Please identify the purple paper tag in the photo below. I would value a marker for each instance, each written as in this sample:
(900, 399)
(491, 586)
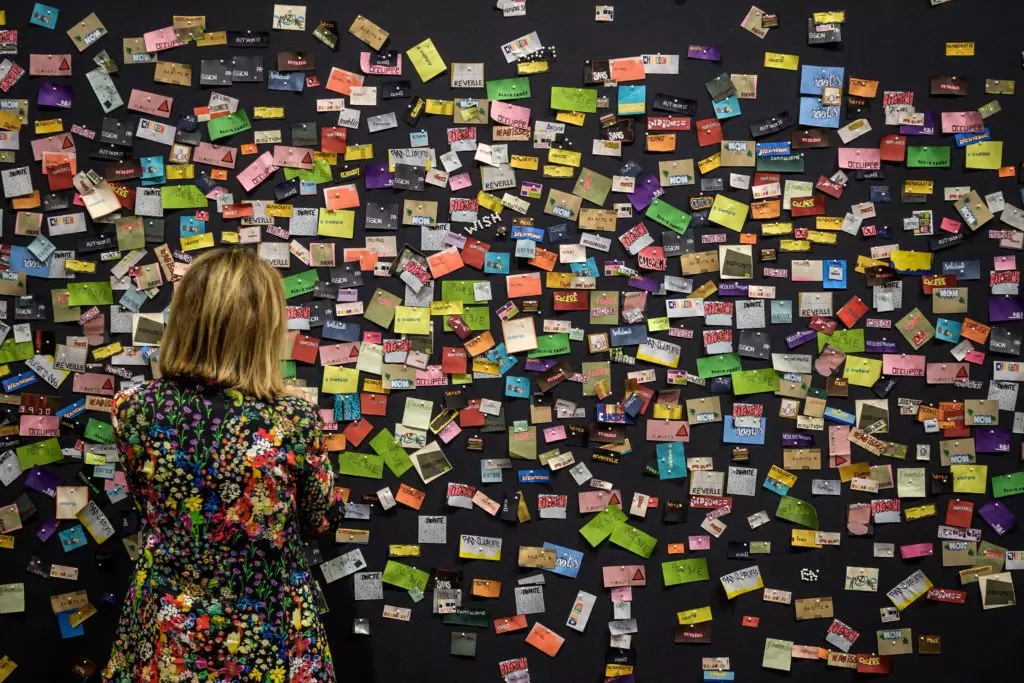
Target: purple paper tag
(794, 439)
(880, 346)
(991, 440)
(378, 177)
(799, 338)
(733, 289)
(1004, 308)
(54, 95)
(647, 284)
(644, 192)
(927, 129)
(47, 529)
(708, 53)
(997, 516)
(539, 364)
(41, 481)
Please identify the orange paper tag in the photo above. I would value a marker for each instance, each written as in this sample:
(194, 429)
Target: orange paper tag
(410, 497)
(489, 588)
(544, 639)
(510, 624)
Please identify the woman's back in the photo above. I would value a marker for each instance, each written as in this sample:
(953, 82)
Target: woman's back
(227, 483)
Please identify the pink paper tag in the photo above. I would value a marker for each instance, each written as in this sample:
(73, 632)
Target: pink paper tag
(510, 114)
(459, 181)
(916, 550)
(949, 225)
(258, 171)
(699, 543)
(860, 158)
(162, 39)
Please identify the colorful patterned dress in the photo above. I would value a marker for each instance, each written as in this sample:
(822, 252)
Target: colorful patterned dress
(227, 482)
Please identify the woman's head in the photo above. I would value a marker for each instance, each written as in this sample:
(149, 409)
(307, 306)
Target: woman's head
(227, 323)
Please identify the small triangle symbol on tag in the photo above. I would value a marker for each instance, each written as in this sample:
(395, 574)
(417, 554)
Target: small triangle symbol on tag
(227, 158)
(307, 159)
(164, 106)
(68, 142)
(64, 66)
(639, 575)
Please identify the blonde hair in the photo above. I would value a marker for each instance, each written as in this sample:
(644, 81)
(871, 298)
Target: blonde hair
(227, 324)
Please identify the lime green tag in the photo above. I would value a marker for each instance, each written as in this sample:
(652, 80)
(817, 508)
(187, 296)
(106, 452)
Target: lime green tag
(677, 572)
(672, 218)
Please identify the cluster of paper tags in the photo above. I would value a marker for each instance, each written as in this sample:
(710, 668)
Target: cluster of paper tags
(612, 315)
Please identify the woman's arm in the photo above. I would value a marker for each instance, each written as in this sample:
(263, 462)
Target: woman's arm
(316, 483)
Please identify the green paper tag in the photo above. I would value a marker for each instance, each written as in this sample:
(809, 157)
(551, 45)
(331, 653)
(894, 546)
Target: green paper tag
(90, 294)
(99, 431)
(602, 525)
(182, 197)
(224, 126)
(583, 100)
(395, 457)
(931, 156)
(39, 453)
(677, 572)
(634, 540)
(508, 89)
(299, 284)
(755, 381)
(361, 465)
(404, 576)
(717, 366)
(797, 511)
(672, 218)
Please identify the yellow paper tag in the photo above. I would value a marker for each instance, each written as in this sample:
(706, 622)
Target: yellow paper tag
(46, 127)
(919, 186)
(359, 152)
(330, 157)
(794, 245)
(212, 39)
(960, 49)
(524, 162)
(776, 229)
(552, 171)
(573, 118)
(180, 171)
(10, 120)
(711, 163)
(490, 202)
(279, 210)
(268, 112)
(779, 60)
(76, 266)
(440, 107)
(404, 550)
(830, 223)
(565, 157)
(697, 615)
(803, 538)
(833, 17)
(195, 242)
(539, 67)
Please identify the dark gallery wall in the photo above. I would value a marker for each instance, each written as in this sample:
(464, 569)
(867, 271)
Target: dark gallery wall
(902, 45)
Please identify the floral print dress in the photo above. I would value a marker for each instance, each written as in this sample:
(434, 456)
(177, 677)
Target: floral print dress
(221, 591)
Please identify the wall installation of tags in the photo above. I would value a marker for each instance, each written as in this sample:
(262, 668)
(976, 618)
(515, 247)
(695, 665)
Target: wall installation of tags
(659, 334)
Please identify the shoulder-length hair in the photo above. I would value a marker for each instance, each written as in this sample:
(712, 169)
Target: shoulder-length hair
(228, 323)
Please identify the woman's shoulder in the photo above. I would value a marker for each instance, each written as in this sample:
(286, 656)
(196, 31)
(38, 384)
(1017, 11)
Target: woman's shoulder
(296, 406)
(138, 392)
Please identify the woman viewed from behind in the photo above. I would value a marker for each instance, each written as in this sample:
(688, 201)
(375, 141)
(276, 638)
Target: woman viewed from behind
(228, 470)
